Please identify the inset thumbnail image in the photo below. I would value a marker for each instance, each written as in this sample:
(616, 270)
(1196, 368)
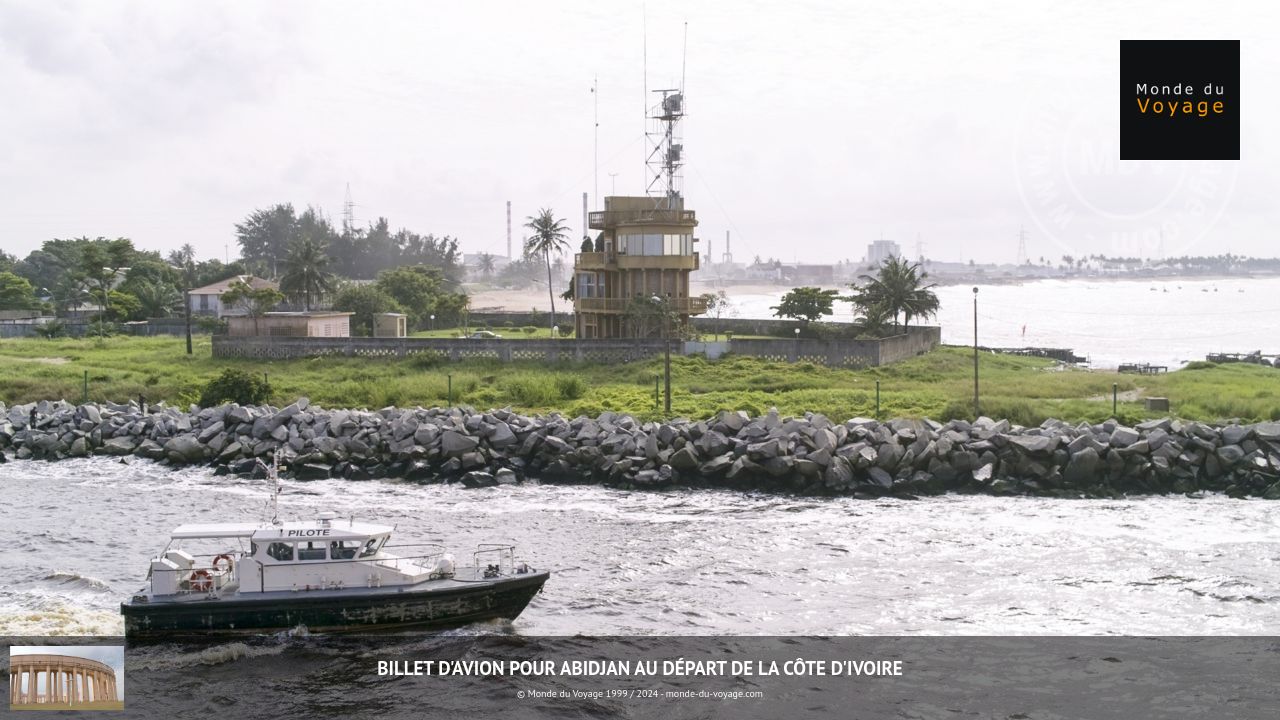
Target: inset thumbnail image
(66, 677)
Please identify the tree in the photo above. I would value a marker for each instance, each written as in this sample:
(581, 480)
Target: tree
(208, 272)
(365, 301)
(264, 236)
(156, 300)
(520, 273)
(123, 306)
(549, 236)
(7, 261)
(717, 306)
(255, 302)
(486, 264)
(805, 304)
(183, 256)
(897, 289)
(100, 265)
(16, 293)
(420, 291)
(61, 263)
(306, 273)
(649, 315)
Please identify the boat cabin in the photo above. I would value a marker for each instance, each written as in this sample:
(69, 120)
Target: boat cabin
(325, 553)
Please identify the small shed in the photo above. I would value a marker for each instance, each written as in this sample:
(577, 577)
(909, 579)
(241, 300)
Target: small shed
(292, 324)
(393, 325)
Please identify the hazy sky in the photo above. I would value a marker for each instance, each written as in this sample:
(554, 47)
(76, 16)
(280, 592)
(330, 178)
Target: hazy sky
(813, 127)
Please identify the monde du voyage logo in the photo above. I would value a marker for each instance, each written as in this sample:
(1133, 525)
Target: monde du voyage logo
(1179, 99)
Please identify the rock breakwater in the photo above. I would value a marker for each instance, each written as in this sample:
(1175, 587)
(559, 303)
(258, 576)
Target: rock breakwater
(810, 454)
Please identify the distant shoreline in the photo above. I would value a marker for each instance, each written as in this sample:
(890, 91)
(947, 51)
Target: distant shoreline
(498, 300)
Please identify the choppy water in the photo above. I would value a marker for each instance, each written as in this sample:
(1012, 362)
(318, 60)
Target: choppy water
(1163, 322)
(78, 535)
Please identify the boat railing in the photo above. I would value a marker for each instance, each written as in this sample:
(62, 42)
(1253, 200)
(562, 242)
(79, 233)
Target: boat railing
(491, 552)
(197, 579)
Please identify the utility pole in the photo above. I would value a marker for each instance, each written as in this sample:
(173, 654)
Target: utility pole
(595, 96)
(187, 301)
(509, 257)
(976, 412)
(664, 304)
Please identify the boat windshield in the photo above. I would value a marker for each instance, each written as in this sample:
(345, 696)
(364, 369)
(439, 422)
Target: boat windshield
(372, 546)
(343, 549)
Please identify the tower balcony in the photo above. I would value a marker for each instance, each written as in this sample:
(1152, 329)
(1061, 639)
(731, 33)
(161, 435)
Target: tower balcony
(615, 261)
(604, 219)
(680, 305)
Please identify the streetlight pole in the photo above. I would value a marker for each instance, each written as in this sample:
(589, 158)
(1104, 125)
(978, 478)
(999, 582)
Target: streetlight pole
(186, 311)
(666, 353)
(976, 412)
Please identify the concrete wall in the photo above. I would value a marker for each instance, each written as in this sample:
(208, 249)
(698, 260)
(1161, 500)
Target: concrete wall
(173, 326)
(915, 341)
(836, 353)
(280, 348)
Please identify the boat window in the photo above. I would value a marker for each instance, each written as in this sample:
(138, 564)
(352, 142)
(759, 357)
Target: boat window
(280, 551)
(343, 549)
(371, 547)
(310, 552)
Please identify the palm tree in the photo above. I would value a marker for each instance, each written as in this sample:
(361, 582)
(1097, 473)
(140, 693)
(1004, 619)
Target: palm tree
(306, 273)
(896, 290)
(159, 300)
(486, 264)
(549, 235)
(182, 257)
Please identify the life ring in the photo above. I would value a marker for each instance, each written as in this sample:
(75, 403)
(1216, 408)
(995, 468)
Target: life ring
(201, 581)
(230, 562)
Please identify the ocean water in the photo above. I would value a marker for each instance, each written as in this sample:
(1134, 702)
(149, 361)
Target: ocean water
(1162, 322)
(692, 562)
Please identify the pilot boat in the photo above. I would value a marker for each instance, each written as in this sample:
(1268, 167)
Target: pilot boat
(327, 574)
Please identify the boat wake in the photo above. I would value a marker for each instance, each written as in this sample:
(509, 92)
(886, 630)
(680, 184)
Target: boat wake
(54, 618)
(72, 580)
(171, 657)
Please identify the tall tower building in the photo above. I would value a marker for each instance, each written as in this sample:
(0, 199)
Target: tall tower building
(645, 253)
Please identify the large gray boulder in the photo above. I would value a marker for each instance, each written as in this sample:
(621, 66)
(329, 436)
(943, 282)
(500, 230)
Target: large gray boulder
(454, 443)
(1082, 467)
(184, 448)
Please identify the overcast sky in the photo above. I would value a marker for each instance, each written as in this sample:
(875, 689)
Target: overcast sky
(813, 127)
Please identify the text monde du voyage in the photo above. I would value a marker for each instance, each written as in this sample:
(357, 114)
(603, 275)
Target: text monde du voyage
(1180, 100)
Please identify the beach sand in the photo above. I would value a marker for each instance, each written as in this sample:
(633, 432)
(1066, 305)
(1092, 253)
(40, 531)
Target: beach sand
(490, 300)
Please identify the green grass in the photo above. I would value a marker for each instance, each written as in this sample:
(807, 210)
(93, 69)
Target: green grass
(937, 385)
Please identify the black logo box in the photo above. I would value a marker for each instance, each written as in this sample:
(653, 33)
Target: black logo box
(1189, 65)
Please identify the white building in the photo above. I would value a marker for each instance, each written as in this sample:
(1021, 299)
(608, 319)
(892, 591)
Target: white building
(880, 250)
(207, 300)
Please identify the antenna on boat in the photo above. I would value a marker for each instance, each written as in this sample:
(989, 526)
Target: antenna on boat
(274, 475)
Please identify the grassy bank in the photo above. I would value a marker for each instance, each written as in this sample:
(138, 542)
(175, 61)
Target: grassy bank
(937, 385)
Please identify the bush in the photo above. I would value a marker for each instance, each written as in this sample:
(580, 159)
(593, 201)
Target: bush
(50, 330)
(1200, 365)
(531, 389)
(528, 330)
(211, 325)
(101, 328)
(236, 386)
(570, 387)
